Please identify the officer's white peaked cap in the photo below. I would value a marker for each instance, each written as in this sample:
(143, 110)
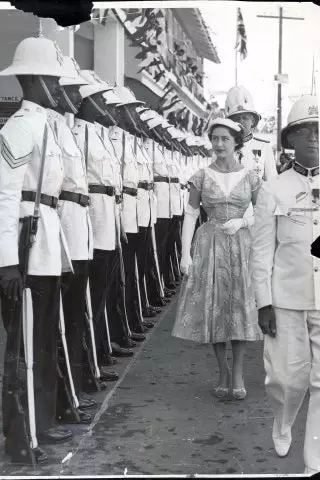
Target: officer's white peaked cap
(111, 98)
(94, 84)
(127, 97)
(73, 68)
(239, 100)
(304, 110)
(37, 56)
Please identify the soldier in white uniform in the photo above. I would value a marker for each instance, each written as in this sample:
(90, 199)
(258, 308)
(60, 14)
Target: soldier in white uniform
(287, 285)
(153, 274)
(129, 123)
(73, 210)
(120, 333)
(37, 64)
(257, 153)
(102, 207)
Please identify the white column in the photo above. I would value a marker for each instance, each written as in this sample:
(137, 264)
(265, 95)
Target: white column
(109, 51)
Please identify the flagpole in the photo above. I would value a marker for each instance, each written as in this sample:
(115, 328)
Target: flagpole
(312, 89)
(236, 50)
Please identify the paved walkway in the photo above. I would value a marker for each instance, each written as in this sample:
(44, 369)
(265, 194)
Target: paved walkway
(162, 418)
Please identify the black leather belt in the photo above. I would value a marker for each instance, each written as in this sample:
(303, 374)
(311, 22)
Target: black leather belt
(82, 200)
(145, 185)
(103, 189)
(161, 179)
(27, 196)
(174, 180)
(130, 191)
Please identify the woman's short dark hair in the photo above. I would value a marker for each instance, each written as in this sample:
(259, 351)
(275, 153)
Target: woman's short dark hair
(238, 136)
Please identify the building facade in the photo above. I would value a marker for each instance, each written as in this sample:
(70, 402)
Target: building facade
(157, 53)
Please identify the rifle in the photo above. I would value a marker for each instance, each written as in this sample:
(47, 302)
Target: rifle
(26, 240)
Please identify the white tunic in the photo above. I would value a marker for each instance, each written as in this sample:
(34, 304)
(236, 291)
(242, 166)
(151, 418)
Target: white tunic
(147, 148)
(75, 219)
(174, 188)
(99, 172)
(284, 272)
(144, 196)
(161, 189)
(20, 158)
(130, 180)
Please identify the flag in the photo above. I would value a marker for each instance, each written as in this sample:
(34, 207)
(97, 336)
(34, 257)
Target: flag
(241, 44)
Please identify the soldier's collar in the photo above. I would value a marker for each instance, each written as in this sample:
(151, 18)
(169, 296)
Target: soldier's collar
(82, 123)
(307, 172)
(56, 115)
(248, 137)
(33, 107)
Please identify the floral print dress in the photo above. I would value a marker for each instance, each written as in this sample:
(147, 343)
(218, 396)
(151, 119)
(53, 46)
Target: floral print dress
(216, 302)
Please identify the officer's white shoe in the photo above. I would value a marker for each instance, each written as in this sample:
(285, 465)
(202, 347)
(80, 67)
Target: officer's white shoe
(282, 446)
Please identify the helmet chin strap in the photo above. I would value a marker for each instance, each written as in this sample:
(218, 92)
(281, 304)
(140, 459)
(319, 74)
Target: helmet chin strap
(53, 103)
(104, 113)
(67, 99)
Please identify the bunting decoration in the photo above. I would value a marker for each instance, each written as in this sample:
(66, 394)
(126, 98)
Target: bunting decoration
(146, 29)
(241, 44)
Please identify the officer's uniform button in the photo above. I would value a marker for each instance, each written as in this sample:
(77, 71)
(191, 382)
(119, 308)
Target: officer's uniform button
(316, 222)
(316, 269)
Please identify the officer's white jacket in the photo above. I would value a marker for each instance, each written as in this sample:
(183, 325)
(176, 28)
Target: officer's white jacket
(262, 162)
(75, 219)
(99, 172)
(20, 158)
(285, 274)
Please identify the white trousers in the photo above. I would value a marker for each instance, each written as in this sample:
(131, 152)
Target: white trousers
(292, 365)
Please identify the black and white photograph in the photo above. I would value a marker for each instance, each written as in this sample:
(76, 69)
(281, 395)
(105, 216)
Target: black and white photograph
(159, 239)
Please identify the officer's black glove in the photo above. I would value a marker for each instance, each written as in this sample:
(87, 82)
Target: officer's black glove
(267, 320)
(11, 282)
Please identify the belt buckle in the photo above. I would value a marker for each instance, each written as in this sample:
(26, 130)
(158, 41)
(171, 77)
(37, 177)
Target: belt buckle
(84, 200)
(54, 202)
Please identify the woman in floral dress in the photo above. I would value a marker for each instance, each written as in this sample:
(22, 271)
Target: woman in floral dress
(216, 302)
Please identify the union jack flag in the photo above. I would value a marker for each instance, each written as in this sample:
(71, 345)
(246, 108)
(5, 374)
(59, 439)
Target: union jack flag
(241, 44)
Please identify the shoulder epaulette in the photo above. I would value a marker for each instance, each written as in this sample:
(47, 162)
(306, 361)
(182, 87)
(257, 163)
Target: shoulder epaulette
(261, 140)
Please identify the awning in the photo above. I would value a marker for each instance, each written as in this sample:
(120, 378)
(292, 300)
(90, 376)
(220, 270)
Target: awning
(196, 28)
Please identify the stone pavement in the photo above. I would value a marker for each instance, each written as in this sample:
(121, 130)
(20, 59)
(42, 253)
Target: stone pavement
(161, 418)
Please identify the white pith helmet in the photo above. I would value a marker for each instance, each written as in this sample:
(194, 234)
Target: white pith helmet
(111, 98)
(127, 97)
(239, 100)
(155, 121)
(304, 110)
(73, 68)
(37, 56)
(94, 84)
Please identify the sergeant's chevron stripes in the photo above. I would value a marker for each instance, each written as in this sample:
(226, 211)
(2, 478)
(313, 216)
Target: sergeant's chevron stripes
(11, 160)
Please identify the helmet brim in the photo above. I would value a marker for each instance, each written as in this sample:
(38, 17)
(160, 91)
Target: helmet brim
(256, 115)
(288, 129)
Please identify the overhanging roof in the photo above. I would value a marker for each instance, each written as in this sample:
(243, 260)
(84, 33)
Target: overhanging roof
(197, 30)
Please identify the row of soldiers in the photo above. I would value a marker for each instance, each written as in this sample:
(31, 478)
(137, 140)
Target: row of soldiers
(93, 186)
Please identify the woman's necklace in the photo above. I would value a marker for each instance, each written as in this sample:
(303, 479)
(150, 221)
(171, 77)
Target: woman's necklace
(225, 171)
